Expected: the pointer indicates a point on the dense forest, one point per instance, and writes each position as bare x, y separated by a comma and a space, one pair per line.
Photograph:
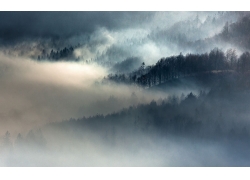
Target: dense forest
175, 67
63, 54
219, 116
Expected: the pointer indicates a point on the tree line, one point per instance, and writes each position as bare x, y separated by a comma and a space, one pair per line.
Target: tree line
221, 113
175, 67
218, 114
34, 138
63, 54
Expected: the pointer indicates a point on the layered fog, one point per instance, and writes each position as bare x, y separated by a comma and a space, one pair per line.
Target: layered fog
124, 89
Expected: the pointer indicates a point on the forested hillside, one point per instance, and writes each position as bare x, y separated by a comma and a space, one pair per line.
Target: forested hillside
125, 89
176, 67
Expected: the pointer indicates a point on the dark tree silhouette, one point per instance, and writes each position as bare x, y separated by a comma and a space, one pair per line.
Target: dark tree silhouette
176, 67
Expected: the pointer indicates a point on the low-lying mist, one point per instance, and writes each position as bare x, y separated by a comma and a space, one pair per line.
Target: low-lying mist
129, 150
209, 129
35, 93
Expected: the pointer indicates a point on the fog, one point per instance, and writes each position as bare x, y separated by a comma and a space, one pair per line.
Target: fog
201, 130
35, 93
129, 147
108, 40
143, 152
60, 107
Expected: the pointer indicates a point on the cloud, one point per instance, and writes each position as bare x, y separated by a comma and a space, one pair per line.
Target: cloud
111, 36
16, 26
35, 93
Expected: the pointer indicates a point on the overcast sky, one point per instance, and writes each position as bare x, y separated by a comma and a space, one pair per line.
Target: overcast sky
126, 33
17, 26
28, 25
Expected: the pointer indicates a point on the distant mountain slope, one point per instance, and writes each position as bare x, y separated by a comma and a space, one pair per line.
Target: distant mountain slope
205, 68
